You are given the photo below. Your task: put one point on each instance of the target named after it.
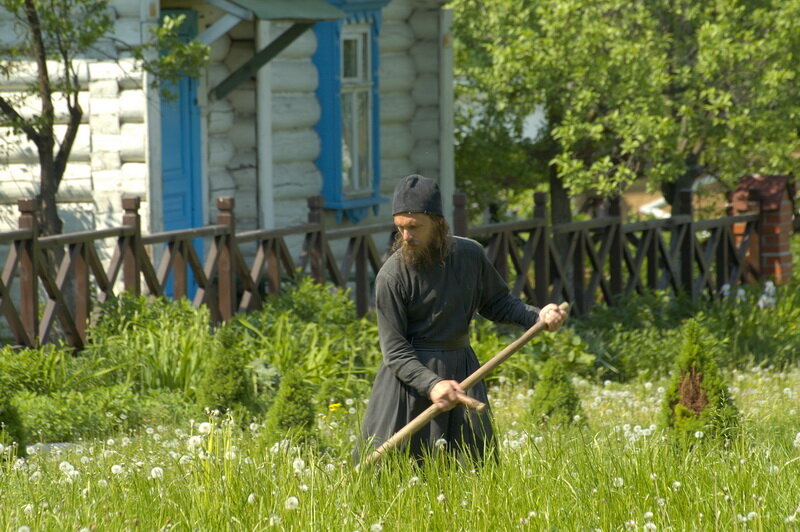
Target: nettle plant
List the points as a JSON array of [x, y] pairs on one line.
[[698, 404]]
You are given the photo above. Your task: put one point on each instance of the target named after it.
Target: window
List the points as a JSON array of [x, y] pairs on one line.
[[349, 126], [356, 102]]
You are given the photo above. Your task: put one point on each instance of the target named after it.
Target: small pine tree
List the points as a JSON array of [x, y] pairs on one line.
[[555, 400], [292, 413], [697, 401], [226, 383]]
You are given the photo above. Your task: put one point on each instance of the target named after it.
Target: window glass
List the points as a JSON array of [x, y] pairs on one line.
[[356, 98]]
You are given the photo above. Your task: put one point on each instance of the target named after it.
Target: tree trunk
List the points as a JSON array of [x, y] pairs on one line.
[[560, 208], [671, 191]]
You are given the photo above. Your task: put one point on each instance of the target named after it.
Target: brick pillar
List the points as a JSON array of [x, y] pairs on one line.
[[776, 234]]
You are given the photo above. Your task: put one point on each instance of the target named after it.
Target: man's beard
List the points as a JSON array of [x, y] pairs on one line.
[[427, 256]]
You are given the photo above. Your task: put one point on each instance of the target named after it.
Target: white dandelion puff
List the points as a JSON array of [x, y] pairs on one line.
[[618, 482], [376, 527], [441, 497], [116, 469], [292, 503], [251, 499], [204, 427], [156, 472]]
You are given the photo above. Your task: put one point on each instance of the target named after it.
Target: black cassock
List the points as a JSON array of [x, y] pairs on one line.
[[423, 323]]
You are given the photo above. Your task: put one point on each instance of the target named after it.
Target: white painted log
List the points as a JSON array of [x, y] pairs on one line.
[[239, 53], [294, 110], [297, 145], [21, 150], [132, 105], [244, 30], [128, 30], [220, 182], [397, 10], [216, 73], [246, 203], [108, 181], [397, 72], [292, 212], [243, 102], [397, 107], [425, 24], [426, 156], [396, 36], [107, 124], [126, 8], [391, 172], [27, 75], [293, 76], [28, 105], [105, 88], [243, 133], [243, 159], [134, 172], [426, 90], [133, 143], [220, 151], [219, 49], [220, 117], [293, 180], [105, 160], [396, 141], [301, 48], [425, 124], [426, 57], [124, 71], [245, 177]]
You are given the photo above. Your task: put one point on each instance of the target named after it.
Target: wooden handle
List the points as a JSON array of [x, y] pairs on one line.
[[416, 424]]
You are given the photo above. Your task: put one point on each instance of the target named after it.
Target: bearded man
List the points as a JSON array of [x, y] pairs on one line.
[[426, 295]]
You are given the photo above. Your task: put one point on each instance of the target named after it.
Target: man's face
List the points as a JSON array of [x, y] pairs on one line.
[[416, 229]]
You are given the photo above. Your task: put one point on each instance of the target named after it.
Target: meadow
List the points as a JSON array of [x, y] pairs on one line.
[[166, 422]]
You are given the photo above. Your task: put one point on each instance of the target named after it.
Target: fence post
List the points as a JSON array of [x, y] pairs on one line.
[[316, 247], [226, 268], [460, 214], [615, 251], [687, 244], [130, 254], [541, 255], [28, 275]]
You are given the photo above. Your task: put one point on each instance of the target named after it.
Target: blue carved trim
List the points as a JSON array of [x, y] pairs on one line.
[[329, 128]]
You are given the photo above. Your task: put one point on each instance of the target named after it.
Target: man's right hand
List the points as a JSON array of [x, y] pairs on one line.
[[449, 394]]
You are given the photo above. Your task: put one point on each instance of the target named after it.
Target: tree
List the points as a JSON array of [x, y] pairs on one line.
[[666, 90], [55, 35]]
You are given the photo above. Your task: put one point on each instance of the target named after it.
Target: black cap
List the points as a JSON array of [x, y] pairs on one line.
[[415, 193]]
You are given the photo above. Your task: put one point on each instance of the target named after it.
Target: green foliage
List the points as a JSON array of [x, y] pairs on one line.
[[651, 89], [555, 400], [11, 427], [226, 383], [292, 414], [157, 344], [697, 403]]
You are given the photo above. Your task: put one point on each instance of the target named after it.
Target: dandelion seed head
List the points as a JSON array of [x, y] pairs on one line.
[[291, 503], [298, 464], [251, 499], [204, 427], [618, 482], [156, 472], [116, 469], [375, 527]]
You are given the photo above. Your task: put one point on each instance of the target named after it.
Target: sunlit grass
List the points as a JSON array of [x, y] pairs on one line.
[[620, 472]]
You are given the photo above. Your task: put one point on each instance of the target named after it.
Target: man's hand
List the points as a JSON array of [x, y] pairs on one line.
[[553, 316], [449, 394]]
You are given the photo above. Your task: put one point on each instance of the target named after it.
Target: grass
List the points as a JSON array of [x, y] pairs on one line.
[[619, 473]]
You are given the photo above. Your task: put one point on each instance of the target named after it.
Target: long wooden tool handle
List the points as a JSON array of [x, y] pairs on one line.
[[416, 424]]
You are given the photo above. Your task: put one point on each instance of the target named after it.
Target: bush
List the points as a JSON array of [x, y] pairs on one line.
[[11, 427], [555, 400], [292, 414], [697, 402], [226, 384]]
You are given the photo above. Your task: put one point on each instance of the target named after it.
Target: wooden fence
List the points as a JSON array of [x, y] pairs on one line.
[[587, 262]]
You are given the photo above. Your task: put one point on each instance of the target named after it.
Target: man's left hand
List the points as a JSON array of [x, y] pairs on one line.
[[553, 316]]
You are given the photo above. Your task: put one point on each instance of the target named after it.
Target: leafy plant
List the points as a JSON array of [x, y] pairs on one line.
[[293, 411], [555, 400]]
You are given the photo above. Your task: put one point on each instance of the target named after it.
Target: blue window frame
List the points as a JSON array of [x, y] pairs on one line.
[[349, 126]]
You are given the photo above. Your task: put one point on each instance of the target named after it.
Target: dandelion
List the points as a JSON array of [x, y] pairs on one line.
[[65, 467], [116, 469], [413, 481], [2, 448], [27, 509], [333, 407], [699, 434], [292, 503], [649, 526], [441, 497], [676, 485], [194, 442], [103, 483], [204, 427], [251, 499], [85, 459], [303, 487], [156, 472], [618, 482], [648, 516], [376, 527], [24, 528], [36, 476], [254, 427], [298, 464], [441, 443], [752, 516]]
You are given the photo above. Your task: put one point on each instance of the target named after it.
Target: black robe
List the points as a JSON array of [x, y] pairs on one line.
[[423, 324]]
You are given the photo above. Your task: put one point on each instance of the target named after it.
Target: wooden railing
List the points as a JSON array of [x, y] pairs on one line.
[[588, 262]]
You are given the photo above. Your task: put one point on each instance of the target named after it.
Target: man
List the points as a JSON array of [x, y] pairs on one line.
[[426, 295]]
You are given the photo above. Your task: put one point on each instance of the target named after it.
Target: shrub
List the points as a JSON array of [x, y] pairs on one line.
[[555, 400], [697, 402], [11, 427], [292, 413], [226, 383]]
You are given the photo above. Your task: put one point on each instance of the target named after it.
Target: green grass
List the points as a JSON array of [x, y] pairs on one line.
[[618, 473]]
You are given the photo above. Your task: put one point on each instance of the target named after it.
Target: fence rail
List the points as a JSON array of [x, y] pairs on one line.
[[589, 262]]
